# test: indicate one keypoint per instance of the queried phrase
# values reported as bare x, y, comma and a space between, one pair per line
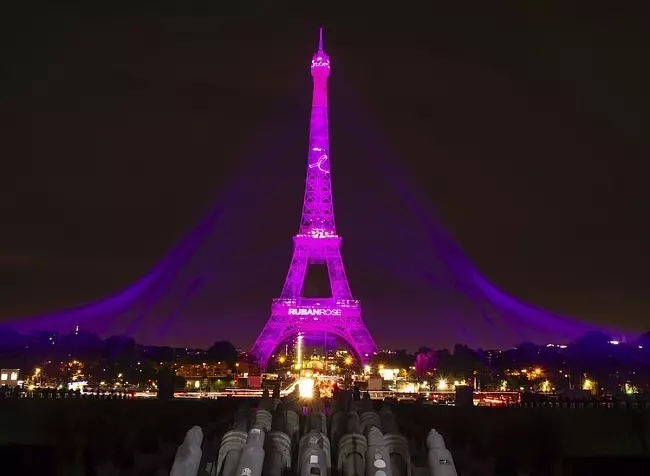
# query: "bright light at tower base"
306, 388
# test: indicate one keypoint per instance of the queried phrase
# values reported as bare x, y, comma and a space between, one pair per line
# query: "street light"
299, 352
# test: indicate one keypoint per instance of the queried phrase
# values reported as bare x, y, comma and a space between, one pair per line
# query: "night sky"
525, 131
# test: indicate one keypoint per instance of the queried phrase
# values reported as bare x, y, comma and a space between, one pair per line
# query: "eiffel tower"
316, 243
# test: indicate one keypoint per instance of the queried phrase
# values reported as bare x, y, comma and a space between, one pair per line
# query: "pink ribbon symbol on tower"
320, 162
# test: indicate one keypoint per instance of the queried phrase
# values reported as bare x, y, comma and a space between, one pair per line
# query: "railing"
232, 393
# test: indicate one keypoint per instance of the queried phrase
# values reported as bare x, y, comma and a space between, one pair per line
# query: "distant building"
9, 377
219, 369
244, 367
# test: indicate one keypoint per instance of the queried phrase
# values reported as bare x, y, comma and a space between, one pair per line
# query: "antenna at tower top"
320, 61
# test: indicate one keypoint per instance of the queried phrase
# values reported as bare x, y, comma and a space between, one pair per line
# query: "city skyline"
125, 203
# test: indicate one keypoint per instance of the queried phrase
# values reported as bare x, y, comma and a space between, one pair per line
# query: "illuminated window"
14, 375
4, 376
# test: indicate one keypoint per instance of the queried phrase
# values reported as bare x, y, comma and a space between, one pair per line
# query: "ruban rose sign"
309, 311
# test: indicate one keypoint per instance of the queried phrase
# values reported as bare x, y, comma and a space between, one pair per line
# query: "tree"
465, 361
592, 354
10, 339
167, 382
644, 339
400, 359
425, 363
444, 361
223, 351
526, 355
117, 347
81, 345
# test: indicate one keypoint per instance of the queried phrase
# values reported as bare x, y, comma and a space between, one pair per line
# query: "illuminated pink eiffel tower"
316, 243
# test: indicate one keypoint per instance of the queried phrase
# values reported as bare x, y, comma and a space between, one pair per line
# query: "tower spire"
317, 243
318, 208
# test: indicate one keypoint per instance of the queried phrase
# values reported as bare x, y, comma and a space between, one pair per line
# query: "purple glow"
192, 287
319, 164
491, 302
320, 63
316, 241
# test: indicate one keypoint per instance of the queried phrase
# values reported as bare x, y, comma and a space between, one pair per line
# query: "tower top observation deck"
320, 63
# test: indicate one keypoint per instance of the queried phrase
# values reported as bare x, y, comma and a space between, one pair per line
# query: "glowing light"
302, 311
319, 233
442, 384
306, 388
367, 369
282, 359
319, 163
546, 386
77, 385
197, 384
588, 385
408, 388
348, 360
317, 241
299, 352
388, 374
320, 62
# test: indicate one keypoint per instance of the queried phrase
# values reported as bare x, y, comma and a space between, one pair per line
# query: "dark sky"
527, 131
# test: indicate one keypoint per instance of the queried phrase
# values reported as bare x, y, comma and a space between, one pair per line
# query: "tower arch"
340, 333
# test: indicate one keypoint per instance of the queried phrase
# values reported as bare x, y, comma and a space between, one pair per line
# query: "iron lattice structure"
316, 242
